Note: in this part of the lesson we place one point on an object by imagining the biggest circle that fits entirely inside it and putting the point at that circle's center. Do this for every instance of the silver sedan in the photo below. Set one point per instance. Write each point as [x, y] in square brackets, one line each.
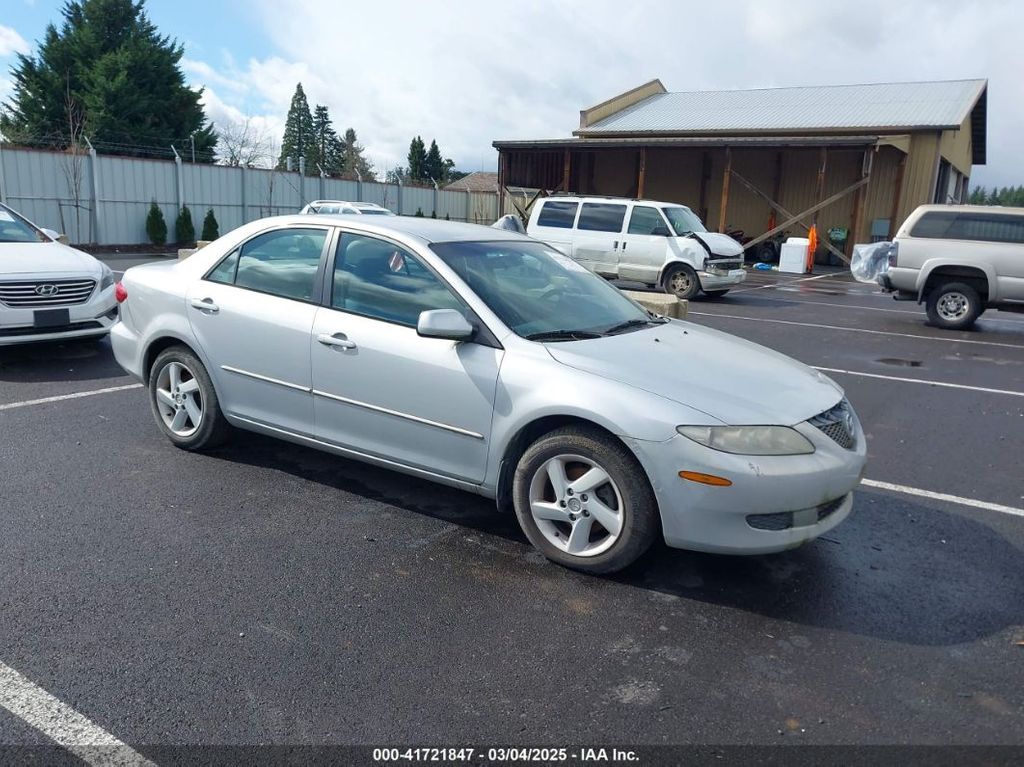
[488, 361]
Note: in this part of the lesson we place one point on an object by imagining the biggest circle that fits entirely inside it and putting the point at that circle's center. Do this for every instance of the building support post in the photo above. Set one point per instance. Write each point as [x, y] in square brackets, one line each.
[469, 205]
[642, 173]
[705, 177]
[776, 188]
[242, 183]
[501, 184]
[858, 202]
[726, 176]
[897, 192]
[399, 211]
[565, 171]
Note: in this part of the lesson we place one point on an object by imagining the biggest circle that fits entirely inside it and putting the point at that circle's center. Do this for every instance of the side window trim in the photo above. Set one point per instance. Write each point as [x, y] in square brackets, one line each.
[316, 294]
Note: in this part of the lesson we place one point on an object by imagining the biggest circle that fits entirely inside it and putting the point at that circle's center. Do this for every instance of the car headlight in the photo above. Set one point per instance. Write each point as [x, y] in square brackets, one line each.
[106, 277]
[749, 440]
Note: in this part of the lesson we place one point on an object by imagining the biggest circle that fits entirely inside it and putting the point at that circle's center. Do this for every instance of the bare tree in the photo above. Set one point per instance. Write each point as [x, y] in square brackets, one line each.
[73, 161]
[243, 143]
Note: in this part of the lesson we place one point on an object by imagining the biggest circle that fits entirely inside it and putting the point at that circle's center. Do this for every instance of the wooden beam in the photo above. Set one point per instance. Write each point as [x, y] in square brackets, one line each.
[565, 171]
[642, 173]
[858, 202]
[727, 174]
[705, 176]
[896, 194]
[502, 179]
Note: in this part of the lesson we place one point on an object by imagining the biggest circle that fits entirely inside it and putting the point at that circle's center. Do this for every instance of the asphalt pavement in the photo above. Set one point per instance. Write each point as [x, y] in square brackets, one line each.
[266, 593]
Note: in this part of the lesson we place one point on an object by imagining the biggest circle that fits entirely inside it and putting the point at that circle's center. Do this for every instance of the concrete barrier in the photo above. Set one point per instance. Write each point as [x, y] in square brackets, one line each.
[184, 253]
[660, 303]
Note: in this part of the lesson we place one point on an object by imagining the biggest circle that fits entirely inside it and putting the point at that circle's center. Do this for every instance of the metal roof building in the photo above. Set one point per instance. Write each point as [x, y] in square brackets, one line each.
[848, 157]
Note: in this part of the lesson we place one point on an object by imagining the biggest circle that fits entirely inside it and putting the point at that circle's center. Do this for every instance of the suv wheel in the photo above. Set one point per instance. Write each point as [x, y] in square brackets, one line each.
[584, 501]
[954, 306]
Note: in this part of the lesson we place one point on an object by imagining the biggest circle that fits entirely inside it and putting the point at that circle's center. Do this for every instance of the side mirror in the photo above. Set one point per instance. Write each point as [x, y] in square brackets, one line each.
[661, 231]
[444, 323]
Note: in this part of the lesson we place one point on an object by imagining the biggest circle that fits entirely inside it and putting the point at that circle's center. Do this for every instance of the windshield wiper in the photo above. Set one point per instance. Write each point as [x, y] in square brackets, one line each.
[562, 335]
[622, 327]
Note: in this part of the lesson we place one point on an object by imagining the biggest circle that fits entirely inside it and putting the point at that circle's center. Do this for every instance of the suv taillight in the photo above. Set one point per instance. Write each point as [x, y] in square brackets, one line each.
[894, 253]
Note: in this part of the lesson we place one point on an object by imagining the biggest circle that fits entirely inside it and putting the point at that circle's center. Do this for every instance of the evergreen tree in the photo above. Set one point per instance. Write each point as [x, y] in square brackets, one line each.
[354, 163]
[417, 159]
[211, 229]
[298, 140]
[327, 148]
[156, 227]
[184, 229]
[433, 166]
[108, 71]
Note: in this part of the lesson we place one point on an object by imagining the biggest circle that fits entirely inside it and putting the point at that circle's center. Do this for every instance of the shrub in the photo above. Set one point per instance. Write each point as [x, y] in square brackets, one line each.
[211, 230]
[184, 229]
[447, 217]
[433, 214]
[156, 227]
[418, 213]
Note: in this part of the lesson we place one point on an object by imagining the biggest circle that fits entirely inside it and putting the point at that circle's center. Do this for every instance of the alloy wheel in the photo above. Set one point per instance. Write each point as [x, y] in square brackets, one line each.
[953, 306]
[576, 505]
[179, 399]
[680, 283]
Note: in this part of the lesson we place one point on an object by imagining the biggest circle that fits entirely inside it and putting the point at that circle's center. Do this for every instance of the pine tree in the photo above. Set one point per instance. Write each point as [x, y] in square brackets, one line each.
[327, 147]
[184, 229]
[354, 163]
[211, 229]
[298, 140]
[156, 226]
[107, 69]
[417, 159]
[433, 166]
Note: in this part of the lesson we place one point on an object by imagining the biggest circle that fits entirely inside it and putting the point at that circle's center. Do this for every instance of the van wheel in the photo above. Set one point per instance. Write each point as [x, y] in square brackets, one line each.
[681, 281]
[953, 306]
[584, 501]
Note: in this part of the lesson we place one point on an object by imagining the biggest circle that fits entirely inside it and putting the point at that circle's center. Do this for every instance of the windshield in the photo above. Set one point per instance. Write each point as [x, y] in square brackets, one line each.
[375, 212]
[683, 220]
[540, 293]
[13, 228]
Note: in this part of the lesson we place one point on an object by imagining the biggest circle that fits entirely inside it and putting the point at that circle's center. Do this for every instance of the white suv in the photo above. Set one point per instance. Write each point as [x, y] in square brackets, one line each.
[341, 207]
[959, 260]
[658, 243]
[49, 291]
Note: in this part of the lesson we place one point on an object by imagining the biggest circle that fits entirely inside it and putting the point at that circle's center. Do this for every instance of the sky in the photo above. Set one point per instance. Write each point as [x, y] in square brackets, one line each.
[468, 73]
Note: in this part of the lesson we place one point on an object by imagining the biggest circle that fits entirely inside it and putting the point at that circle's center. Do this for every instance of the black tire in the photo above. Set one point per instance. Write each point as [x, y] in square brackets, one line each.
[767, 252]
[954, 306]
[681, 281]
[638, 511]
[716, 293]
[212, 428]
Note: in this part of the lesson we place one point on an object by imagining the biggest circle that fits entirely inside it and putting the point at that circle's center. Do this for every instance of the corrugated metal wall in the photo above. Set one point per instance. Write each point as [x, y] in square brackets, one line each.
[59, 191]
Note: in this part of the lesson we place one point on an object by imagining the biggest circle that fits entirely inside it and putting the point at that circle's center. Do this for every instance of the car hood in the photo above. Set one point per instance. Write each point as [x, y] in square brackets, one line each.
[24, 258]
[718, 244]
[734, 381]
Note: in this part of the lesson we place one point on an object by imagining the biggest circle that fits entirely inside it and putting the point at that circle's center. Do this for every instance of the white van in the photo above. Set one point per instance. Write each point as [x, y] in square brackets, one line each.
[657, 243]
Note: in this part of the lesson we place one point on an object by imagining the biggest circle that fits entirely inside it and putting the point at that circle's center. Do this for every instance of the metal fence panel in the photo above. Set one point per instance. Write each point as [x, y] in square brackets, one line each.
[39, 185]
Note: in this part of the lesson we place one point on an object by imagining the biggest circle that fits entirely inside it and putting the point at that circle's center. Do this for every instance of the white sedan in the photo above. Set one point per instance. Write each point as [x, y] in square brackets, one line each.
[49, 291]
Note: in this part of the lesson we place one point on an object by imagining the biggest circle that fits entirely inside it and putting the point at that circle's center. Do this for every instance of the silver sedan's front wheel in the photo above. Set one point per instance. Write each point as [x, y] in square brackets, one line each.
[584, 501]
[576, 505]
[178, 399]
[184, 402]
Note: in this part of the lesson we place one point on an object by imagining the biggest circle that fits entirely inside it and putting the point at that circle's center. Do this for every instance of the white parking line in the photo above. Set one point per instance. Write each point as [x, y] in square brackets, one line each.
[62, 724]
[60, 397]
[787, 282]
[921, 381]
[943, 497]
[944, 339]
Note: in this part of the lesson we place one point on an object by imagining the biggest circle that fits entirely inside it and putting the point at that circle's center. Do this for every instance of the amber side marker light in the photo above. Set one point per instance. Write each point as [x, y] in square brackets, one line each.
[705, 479]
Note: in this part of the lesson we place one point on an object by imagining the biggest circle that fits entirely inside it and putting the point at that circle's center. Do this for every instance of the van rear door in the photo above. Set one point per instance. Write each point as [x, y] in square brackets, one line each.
[598, 237]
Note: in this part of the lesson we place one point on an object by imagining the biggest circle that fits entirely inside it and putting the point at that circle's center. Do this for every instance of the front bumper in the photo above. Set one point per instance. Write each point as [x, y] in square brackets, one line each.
[92, 319]
[717, 280]
[802, 496]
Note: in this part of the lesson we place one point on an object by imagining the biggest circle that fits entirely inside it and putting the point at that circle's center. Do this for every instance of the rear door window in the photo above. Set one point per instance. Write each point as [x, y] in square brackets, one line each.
[987, 227]
[282, 262]
[601, 217]
[933, 225]
[557, 214]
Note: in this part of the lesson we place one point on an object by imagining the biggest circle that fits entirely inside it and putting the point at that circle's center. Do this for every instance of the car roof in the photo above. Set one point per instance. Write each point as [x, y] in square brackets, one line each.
[427, 230]
[969, 209]
[613, 200]
[347, 202]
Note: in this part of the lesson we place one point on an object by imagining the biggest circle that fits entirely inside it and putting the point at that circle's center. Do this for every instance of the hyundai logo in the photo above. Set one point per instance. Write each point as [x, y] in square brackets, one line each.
[47, 290]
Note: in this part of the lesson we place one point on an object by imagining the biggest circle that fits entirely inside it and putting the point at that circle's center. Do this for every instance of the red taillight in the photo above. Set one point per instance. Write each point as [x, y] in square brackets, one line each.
[120, 293]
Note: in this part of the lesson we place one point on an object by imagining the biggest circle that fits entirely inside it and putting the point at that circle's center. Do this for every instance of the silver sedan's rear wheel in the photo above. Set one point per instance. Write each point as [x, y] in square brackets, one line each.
[584, 501]
[184, 402]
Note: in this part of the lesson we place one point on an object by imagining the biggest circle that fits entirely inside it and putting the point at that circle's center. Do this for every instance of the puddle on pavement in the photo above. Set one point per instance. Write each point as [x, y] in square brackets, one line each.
[898, 362]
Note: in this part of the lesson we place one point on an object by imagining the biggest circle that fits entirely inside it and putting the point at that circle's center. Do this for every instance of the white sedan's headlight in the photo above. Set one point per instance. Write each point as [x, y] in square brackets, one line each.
[749, 440]
[106, 277]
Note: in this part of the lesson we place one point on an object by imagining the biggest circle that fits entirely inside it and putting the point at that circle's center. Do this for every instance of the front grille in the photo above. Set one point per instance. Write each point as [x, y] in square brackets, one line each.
[837, 424]
[46, 293]
[784, 520]
[6, 333]
[725, 266]
[826, 510]
[781, 521]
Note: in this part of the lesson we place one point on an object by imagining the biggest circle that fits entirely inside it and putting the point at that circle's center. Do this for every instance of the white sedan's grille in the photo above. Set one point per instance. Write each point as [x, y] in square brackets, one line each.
[46, 293]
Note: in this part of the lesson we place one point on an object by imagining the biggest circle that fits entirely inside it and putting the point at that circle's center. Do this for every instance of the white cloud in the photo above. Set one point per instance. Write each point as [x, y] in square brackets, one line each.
[468, 73]
[11, 42]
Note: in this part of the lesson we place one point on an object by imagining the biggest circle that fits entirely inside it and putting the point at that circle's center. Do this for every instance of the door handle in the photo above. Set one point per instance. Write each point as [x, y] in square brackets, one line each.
[205, 305]
[338, 340]
[615, 245]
